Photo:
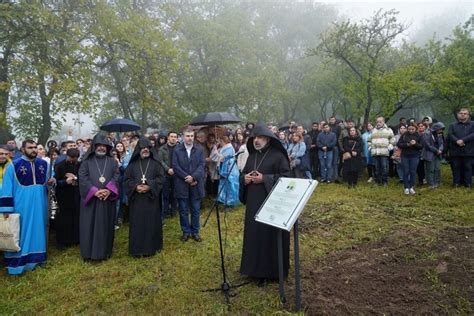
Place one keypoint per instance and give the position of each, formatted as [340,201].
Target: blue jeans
[400,171]
[409,171]
[381,169]
[433,171]
[184,206]
[325,161]
[462,170]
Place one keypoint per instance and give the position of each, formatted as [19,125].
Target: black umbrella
[120,125]
[213,118]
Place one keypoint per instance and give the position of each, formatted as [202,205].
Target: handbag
[397,155]
[347,155]
[10,232]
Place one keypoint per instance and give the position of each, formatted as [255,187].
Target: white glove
[390,147]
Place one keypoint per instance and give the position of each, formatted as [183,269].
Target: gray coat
[433,142]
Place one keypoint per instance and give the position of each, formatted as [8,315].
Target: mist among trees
[163,62]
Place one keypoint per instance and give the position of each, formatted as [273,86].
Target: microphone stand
[225,286]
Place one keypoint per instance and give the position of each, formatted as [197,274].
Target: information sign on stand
[285,202]
[281,209]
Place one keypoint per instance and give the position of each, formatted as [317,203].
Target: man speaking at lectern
[267,162]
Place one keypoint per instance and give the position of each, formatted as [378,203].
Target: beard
[100,153]
[145,155]
[31,155]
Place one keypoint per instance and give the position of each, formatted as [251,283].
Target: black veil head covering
[262,130]
[142,143]
[99,139]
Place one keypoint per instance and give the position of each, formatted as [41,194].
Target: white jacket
[381,141]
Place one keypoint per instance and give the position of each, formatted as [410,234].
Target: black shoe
[196,237]
[61,247]
[185,237]
[262,282]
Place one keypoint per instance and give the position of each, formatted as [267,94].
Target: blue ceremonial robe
[228,189]
[24,191]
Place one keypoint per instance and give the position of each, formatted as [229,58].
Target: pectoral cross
[23,170]
[143,179]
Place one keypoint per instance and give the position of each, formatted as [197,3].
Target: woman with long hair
[369,161]
[396,157]
[296,151]
[352,156]
[119,153]
[228,174]
[239,140]
[411,145]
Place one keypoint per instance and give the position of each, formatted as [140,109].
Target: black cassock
[146,233]
[69,200]
[97,218]
[260,247]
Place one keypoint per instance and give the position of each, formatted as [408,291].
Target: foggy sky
[425,17]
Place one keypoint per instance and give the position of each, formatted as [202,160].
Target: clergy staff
[24,191]
[98,176]
[69,200]
[267,162]
[142,184]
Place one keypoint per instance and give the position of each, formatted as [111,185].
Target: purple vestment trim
[90,195]
[113,188]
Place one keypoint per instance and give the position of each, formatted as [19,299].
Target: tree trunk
[368,108]
[45,130]
[122,95]
[4,93]
[143,120]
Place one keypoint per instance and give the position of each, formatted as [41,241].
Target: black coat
[69,200]
[184,166]
[355,164]
[464,131]
[410,150]
[259,250]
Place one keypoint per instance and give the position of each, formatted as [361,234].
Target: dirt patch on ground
[402,274]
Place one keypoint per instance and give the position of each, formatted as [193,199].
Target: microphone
[238,154]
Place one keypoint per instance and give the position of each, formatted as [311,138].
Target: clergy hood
[99,139]
[142,143]
[262,130]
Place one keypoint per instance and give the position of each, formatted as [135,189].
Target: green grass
[173,282]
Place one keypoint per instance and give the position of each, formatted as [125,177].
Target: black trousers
[352,177]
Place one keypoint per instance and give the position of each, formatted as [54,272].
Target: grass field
[173,282]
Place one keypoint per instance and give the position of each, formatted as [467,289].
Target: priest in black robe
[69,200]
[142,184]
[267,162]
[98,176]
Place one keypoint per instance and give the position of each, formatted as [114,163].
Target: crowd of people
[98,182]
